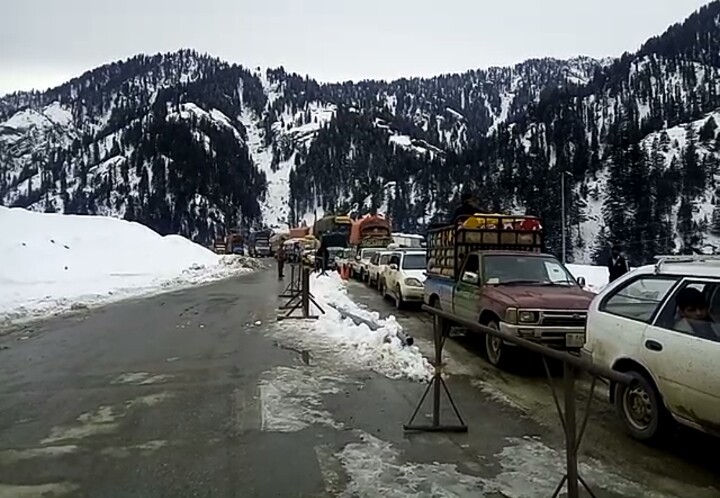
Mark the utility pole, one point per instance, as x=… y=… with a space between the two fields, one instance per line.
x=562 y=215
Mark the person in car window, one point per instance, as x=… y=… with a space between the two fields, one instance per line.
x=695 y=317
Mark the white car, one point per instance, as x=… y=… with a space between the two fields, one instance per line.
x=404 y=277
x=636 y=326
x=378 y=263
x=343 y=258
x=360 y=263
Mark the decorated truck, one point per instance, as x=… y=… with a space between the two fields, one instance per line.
x=369 y=235
x=491 y=269
x=259 y=244
x=333 y=230
x=235 y=242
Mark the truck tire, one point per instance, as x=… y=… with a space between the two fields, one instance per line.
x=641 y=408
x=495 y=351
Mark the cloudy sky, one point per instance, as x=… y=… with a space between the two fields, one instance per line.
x=45 y=42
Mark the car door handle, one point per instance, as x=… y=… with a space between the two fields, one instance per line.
x=653 y=345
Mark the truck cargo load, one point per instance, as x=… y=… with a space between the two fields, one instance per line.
x=449 y=244
x=371 y=231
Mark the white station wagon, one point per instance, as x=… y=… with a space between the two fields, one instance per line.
x=661 y=325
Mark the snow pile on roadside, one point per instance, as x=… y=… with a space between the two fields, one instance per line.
x=596 y=277
x=52 y=262
x=380 y=350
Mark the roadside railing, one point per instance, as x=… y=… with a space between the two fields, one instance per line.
x=572 y=366
x=298 y=295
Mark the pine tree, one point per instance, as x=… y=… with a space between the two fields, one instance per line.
x=708 y=131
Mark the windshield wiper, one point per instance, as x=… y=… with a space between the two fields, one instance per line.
x=521 y=282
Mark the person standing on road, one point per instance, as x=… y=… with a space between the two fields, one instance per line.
x=321 y=258
x=281 y=257
x=618 y=265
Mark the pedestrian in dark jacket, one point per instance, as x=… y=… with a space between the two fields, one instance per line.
x=618 y=265
x=281 y=257
x=469 y=206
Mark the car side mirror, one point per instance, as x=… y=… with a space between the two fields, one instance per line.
x=393 y=266
x=471 y=277
x=581 y=281
x=357 y=257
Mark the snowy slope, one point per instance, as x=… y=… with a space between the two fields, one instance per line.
x=52 y=261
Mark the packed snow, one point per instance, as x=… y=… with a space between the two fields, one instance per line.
x=54 y=262
x=596 y=277
x=337 y=338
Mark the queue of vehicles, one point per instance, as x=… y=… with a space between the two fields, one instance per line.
x=491 y=269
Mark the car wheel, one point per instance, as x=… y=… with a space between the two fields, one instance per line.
x=383 y=290
x=641 y=408
x=496 y=352
x=399 y=302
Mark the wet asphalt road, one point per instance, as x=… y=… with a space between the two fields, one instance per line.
x=183 y=394
x=686 y=458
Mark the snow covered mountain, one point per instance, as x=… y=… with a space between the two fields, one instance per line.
x=189 y=144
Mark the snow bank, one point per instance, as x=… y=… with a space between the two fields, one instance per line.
x=596 y=277
x=52 y=262
x=380 y=350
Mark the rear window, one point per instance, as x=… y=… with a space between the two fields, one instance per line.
x=414 y=262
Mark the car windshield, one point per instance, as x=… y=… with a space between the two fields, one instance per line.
x=367 y=253
x=334 y=251
x=414 y=262
x=532 y=270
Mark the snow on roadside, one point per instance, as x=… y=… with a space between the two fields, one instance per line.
x=381 y=350
x=596 y=277
x=53 y=263
x=333 y=340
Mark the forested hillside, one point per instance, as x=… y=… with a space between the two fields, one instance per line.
x=190 y=144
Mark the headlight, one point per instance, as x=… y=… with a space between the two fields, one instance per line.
x=511 y=315
x=528 y=316
x=413 y=282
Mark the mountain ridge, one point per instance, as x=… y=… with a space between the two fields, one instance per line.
x=290 y=147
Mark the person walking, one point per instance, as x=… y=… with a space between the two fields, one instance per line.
x=281 y=257
x=618 y=265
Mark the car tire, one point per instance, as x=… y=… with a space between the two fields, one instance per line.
x=496 y=352
x=641 y=408
x=399 y=301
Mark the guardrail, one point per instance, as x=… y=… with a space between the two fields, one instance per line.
x=572 y=365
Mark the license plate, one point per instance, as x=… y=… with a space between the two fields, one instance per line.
x=574 y=340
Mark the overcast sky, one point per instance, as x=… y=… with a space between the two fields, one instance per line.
x=45 y=42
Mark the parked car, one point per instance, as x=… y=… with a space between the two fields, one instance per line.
x=333 y=254
x=660 y=325
x=359 y=265
x=403 y=279
x=344 y=258
x=376 y=267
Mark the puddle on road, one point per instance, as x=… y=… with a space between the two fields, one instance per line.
x=50 y=490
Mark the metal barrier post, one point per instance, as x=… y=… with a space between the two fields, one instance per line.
x=571 y=366
x=570 y=430
x=300 y=298
x=437 y=383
